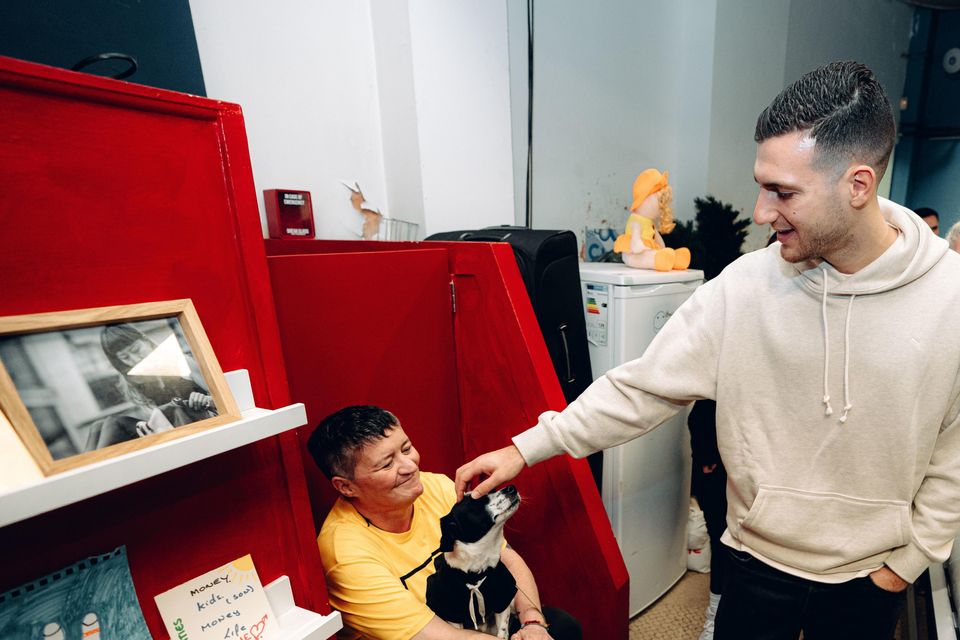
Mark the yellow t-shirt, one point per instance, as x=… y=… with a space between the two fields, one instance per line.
x=363 y=564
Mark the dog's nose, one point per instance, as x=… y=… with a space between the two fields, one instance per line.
x=509 y=490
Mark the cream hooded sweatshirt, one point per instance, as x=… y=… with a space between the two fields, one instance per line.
x=837 y=404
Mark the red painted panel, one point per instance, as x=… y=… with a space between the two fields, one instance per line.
x=373 y=328
x=504 y=381
x=113 y=193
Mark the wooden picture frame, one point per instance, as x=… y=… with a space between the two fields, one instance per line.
x=108 y=381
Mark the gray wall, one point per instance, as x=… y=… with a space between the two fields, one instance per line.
x=928 y=175
x=621 y=86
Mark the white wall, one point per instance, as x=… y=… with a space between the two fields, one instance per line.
x=305 y=74
x=462 y=78
x=748 y=61
x=424 y=102
x=398 y=110
x=620 y=86
x=409 y=99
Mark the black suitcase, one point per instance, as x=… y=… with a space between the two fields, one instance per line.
x=549 y=266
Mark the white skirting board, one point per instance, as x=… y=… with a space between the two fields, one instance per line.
x=297 y=623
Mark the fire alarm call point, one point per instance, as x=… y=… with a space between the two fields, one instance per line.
x=289 y=214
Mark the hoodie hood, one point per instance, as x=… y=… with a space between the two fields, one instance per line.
x=911 y=255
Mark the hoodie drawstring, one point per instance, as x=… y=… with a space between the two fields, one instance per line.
x=828 y=410
x=846 y=364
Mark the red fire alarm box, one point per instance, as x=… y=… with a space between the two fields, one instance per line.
x=289 y=214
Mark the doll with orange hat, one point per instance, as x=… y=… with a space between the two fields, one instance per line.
x=641 y=246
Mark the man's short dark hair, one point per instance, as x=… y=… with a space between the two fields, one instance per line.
x=339 y=437
x=926 y=212
x=845 y=110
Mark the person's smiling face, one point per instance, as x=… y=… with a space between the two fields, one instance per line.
x=387 y=474
x=800 y=201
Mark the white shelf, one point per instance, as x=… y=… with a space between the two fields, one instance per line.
x=85 y=482
x=296 y=623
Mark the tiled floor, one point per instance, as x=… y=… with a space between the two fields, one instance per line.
x=679 y=614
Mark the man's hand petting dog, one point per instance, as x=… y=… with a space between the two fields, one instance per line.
x=499 y=466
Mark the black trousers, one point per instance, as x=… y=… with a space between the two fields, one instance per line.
x=710 y=490
x=563 y=626
x=762 y=603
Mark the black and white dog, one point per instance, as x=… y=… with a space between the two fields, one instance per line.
x=472 y=588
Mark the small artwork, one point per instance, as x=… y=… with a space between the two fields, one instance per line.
x=80 y=386
x=93 y=599
x=228 y=602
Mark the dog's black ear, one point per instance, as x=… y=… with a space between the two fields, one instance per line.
x=449 y=532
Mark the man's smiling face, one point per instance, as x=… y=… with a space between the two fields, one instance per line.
x=800 y=201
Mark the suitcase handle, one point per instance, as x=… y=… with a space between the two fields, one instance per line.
x=485 y=237
x=566 y=351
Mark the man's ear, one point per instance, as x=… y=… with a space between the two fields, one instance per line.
x=862 y=183
x=343 y=486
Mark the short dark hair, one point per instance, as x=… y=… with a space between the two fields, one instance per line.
x=925 y=212
x=339 y=437
x=845 y=110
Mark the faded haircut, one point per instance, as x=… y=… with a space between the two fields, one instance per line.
x=841 y=106
x=336 y=442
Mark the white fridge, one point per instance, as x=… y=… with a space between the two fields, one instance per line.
x=646 y=482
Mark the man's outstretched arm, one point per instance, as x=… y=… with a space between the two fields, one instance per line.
x=679 y=366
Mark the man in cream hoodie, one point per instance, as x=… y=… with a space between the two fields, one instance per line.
x=834 y=358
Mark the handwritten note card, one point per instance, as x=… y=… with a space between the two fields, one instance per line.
x=227 y=603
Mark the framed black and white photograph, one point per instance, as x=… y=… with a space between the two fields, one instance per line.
x=80 y=386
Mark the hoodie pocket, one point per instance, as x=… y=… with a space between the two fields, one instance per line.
x=824 y=532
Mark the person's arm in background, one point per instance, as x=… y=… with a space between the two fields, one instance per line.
x=702 y=423
x=527 y=602
x=680 y=365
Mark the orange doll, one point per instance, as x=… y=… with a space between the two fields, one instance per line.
x=651 y=214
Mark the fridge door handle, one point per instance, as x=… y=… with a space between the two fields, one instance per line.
x=566 y=351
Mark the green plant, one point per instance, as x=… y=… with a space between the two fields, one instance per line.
x=715 y=238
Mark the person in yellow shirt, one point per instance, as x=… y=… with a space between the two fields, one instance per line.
x=378 y=542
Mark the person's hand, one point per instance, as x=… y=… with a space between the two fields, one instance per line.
x=531 y=632
x=156 y=423
x=199 y=401
x=499 y=466
x=886 y=579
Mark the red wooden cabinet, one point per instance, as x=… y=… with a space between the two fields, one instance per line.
x=114 y=193
x=443 y=335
